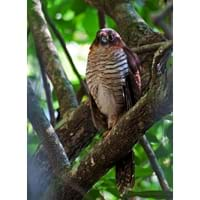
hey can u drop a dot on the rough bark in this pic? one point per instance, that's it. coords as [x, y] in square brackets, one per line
[49, 57]
[47, 90]
[76, 129]
[156, 103]
[55, 155]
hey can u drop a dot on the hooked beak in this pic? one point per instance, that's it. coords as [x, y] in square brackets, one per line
[103, 38]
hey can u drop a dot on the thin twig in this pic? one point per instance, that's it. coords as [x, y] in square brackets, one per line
[62, 42]
[154, 163]
[28, 32]
[102, 20]
[46, 85]
[150, 47]
[159, 17]
[163, 13]
[47, 90]
[46, 132]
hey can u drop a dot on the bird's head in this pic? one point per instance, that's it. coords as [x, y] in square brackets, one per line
[107, 36]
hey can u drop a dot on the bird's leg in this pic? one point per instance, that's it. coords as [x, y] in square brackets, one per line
[112, 120]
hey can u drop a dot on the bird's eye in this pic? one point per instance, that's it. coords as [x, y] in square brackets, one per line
[111, 37]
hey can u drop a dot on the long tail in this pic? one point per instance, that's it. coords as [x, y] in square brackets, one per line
[125, 171]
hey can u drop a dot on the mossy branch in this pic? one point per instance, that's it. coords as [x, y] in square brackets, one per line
[49, 57]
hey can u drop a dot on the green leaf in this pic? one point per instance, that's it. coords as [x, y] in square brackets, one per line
[78, 6]
[143, 172]
[90, 23]
[92, 194]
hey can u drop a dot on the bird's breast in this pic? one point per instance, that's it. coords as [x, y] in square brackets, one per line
[105, 76]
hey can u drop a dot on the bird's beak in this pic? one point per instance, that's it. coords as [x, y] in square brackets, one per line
[103, 38]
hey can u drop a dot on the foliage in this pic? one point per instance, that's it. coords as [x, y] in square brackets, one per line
[78, 23]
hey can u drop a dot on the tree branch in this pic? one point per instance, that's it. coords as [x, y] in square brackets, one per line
[159, 17]
[54, 149]
[49, 57]
[154, 163]
[102, 20]
[162, 51]
[62, 42]
[150, 47]
[144, 141]
[133, 29]
[75, 131]
[164, 12]
[47, 90]
[150, 108]
[156, 102]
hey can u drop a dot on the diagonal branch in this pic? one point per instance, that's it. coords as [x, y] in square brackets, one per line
[55, 151]
[75, 131]
[150, 47]
[159, 17]
[102, 19]
[62, 42]
[164, 12]
[49, 57]
[158, 66]
[47, 91]
[154, 163]
[150, 108]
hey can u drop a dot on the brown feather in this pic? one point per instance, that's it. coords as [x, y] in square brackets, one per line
[134, 66]
[106, 116]
[126, 166]
[99, 120]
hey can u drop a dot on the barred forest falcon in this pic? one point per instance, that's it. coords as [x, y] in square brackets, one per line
[114, 86]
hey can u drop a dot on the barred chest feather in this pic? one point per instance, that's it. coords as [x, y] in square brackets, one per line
[106, 76]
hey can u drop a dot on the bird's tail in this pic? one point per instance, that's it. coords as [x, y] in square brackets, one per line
[125, 170]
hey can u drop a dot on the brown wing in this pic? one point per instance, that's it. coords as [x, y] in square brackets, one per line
[125, 167]
[99, 120]
[134, 79]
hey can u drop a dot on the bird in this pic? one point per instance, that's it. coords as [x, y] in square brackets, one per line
[114, 86]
